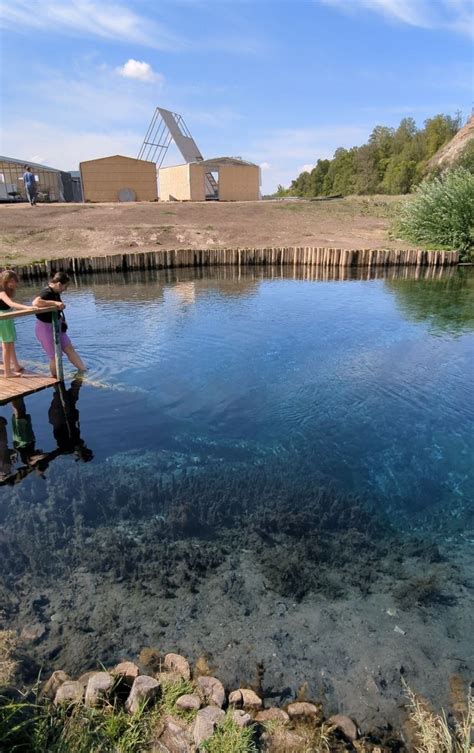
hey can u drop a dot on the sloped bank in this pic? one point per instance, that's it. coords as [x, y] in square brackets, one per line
[163, 705]
[297, 256]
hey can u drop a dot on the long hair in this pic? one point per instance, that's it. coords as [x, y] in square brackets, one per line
[7, 276]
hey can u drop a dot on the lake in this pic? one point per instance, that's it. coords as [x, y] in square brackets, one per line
[260, 469]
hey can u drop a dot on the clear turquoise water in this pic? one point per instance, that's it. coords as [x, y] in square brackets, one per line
[369, 381]
[323, 428]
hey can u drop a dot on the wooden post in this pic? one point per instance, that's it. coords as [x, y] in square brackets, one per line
[58, 355]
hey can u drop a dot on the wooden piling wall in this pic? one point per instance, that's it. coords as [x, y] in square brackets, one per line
[329, 258]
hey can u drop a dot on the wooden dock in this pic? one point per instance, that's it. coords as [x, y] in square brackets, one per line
[15, 387]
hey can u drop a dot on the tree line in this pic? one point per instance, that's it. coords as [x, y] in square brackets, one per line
[393, 161]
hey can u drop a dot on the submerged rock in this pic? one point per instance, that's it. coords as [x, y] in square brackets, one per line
[144, 690]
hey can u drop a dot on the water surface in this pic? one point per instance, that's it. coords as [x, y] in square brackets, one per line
[313, 427]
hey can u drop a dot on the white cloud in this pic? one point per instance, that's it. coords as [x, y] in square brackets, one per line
[109, 20]
[265, 166]
[306, 168]
[65, 147]
[37, 158]
[452, 15]
[139, 70]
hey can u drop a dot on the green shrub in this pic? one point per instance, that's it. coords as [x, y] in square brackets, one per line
[441, 214]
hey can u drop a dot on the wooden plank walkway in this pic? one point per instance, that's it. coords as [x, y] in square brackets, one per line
[14, 387]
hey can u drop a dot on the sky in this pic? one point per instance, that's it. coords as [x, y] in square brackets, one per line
[279, 82]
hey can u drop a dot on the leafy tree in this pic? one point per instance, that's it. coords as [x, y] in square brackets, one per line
[393, 161]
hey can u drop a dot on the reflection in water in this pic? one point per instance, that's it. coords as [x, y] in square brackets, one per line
[25, 457]
[282, 472]
[445, 302]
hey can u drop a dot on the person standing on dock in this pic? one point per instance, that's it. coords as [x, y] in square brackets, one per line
[29, 181]
[51, 296]
[8, 285]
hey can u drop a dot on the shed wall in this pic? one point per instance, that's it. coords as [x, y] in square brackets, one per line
[175, 183]
[197, 176]
[239, 183]
[102, 179]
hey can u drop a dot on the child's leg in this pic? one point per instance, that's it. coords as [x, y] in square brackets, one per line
[16, 366]
[7, 354]
[75, 358]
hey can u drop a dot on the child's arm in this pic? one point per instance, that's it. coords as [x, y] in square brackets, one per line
[14, 304]
[40, 303]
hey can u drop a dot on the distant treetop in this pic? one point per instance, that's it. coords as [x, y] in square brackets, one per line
[394, 161]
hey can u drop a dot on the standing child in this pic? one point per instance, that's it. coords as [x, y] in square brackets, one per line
[8, 285]
[51, 296]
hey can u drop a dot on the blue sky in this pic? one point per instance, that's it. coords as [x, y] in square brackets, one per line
[279, 82]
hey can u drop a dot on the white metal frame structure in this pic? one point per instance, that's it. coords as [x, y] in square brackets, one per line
[165, 127]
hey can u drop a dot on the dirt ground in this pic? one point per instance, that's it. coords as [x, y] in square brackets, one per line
[52, 231]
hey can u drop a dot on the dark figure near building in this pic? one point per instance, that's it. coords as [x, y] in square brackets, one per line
[30, 185]
[64, 417]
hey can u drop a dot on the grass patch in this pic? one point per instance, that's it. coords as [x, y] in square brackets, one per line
[170, 692]
[37, 727]
[230, 738]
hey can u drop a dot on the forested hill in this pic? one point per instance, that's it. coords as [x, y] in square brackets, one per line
[393, 161]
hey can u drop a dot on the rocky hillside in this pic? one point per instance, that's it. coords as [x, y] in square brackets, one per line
[451, 151]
